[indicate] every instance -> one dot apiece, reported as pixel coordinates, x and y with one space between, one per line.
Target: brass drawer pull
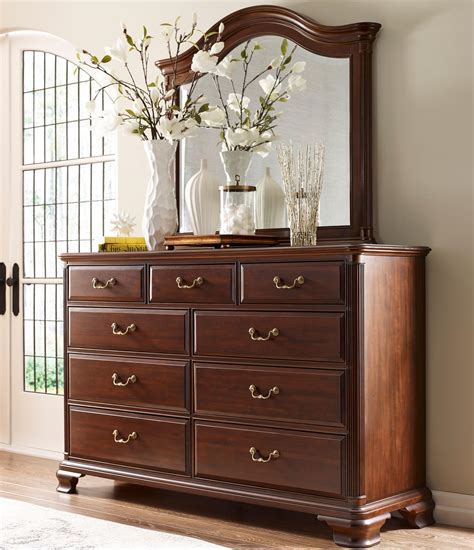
98 284
118 439
116 380
272 391
253 452
274 332
116 330
181 284
296 283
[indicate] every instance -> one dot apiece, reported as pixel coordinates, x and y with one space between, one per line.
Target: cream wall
422 166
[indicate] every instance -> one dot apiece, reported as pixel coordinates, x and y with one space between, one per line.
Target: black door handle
14 283
3 288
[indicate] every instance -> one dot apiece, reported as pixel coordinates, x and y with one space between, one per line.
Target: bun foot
420 514
356 533
67 481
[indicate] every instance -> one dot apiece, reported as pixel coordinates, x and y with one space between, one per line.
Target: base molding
32 451
454 509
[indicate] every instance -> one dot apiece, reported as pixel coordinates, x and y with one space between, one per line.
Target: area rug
24 525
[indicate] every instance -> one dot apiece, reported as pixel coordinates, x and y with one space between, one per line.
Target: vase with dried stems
302 170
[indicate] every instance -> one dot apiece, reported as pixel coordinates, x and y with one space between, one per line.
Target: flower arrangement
145 105
242 129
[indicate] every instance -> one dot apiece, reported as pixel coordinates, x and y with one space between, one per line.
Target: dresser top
277 253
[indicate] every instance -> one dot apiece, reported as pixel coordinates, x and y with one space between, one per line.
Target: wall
422 166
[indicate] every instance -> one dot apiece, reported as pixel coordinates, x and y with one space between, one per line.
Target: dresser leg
420 514
67 481
356 533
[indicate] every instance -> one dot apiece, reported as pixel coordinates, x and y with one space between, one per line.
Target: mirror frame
353 41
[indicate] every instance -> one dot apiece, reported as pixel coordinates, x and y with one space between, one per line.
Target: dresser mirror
335 109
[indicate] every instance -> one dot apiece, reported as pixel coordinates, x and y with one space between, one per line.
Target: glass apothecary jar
237 210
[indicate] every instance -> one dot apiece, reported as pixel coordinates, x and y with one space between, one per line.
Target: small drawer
114 283
163 331
293 283
129 382
287 394
271 335
153 442
311 463
197 284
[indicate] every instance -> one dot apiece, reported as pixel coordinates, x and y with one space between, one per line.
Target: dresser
285 377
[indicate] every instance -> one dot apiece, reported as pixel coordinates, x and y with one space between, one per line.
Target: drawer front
163 331
149 442
126 381
115 283
204 284
303 462
293 395
311 336
293 283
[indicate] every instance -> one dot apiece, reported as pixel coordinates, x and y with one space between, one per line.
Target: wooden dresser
286 377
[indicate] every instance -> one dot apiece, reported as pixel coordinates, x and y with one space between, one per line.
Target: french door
57 192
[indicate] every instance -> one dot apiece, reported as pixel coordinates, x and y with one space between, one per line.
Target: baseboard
40 453
454 509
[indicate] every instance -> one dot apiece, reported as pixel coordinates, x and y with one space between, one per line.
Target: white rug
24 525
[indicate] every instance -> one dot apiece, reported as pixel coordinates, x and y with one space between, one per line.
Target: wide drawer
271 458
149 442
129 382
204 284
279 335
114 283
293 283
289 394
163 331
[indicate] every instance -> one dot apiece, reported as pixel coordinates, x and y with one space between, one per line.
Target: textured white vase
160 216
236 163
270 203
201 196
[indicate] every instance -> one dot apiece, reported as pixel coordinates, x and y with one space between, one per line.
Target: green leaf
106 59
144 31
166 25
198 119
94 60
243 54
222 135
204 108
287 60
76 69
257 47
152 85
131 113
284 46
78 55
130 40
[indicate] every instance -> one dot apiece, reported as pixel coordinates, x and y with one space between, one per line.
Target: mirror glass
320 113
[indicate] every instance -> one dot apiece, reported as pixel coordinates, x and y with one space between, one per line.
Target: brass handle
97 284
272 391
253 452
118 439
296 283
116 330
274 332
181 284
116 380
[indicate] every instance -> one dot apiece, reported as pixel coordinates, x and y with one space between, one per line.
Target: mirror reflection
319 113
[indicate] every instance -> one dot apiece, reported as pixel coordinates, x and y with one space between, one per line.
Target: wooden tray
220 241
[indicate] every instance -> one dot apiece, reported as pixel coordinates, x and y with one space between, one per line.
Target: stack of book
122 244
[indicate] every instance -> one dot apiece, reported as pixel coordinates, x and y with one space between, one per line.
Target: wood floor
229 524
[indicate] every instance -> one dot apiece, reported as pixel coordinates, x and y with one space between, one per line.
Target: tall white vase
201 196
236 163
160 216
270 203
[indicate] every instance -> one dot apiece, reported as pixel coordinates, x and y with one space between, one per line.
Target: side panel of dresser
393 374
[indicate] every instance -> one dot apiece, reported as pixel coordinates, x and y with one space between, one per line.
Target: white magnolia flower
214 117
217 48
276 61
298 67
89 106
263 149
121 103
155 95
267 84
226 68
221 28
166 33
171 128
235 101
296 83
160 78
268 136
138 107
241 137
195 18
106 122
118 51
203 62
129 126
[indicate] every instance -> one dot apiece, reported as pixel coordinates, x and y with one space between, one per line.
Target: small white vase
201 196
160 216
270 203
236 163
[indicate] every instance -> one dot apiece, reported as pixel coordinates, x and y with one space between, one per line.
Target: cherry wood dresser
285 377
